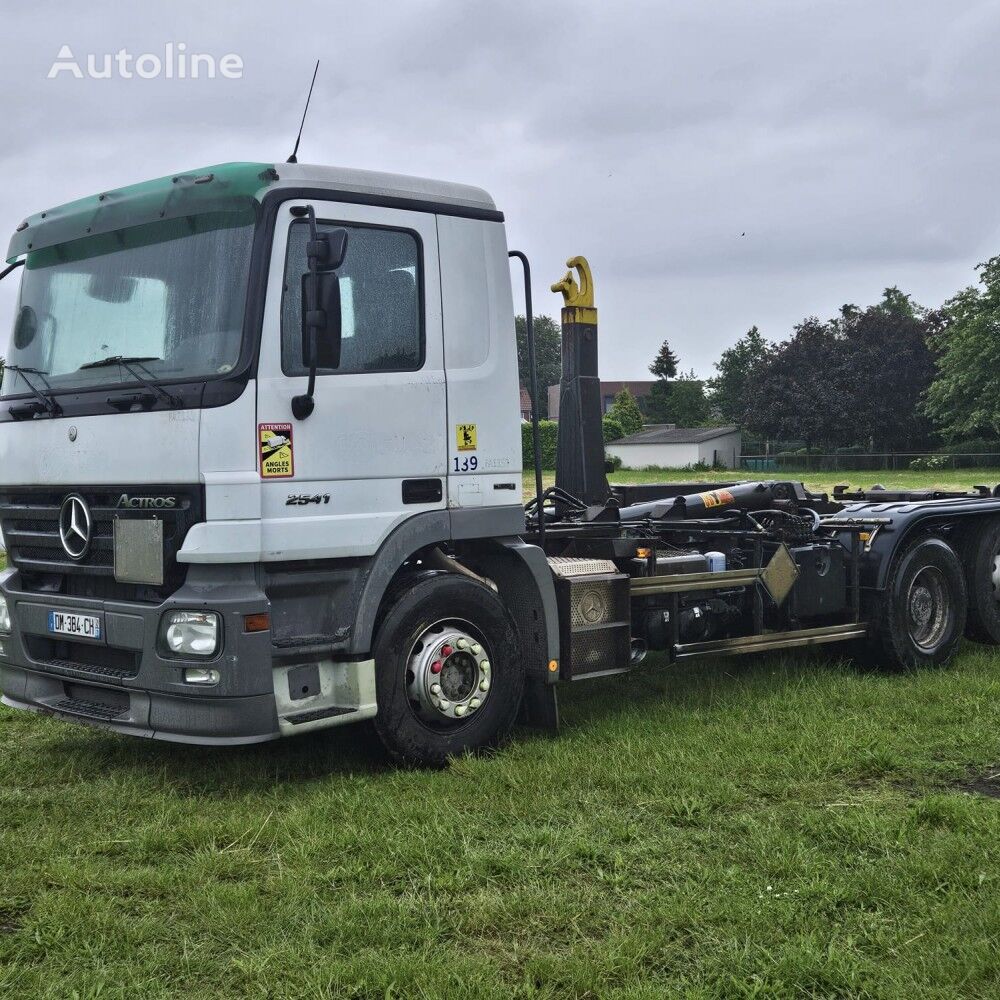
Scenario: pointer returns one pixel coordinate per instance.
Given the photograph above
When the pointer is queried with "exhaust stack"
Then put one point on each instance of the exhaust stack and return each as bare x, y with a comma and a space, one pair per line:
580, 447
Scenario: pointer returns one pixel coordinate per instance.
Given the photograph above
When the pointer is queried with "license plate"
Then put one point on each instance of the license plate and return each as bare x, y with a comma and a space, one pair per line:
84, 626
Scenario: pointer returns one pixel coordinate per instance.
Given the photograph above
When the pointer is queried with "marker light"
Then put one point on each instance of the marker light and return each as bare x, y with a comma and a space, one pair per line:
4, 615
191, 633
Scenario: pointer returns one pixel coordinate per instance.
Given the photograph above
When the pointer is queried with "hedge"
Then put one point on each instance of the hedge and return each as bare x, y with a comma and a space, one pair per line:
548, 434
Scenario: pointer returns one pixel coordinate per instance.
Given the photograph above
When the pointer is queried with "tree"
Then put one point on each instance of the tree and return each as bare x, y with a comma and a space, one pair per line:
625, 411
664, 365
729, 391
964, 398
681, 402
548, 358
890, 368
800, 389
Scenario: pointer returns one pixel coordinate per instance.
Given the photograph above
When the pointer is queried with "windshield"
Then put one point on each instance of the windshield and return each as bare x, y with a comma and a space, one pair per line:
171, 294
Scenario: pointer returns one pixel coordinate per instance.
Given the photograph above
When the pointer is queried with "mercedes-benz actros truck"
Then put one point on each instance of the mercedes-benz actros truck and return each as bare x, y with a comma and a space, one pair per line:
261, 474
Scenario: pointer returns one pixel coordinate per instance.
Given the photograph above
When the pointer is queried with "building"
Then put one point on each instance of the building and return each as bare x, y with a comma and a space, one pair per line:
670, 447
608, 392
525, 404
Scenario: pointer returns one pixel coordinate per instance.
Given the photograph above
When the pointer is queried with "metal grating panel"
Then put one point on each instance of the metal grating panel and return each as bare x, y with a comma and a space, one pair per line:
567, 566
95, 710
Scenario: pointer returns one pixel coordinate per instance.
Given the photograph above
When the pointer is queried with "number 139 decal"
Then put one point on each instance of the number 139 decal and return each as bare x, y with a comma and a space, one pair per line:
469, 464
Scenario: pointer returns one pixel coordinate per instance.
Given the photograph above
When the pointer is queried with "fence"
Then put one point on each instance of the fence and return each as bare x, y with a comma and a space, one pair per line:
889, 461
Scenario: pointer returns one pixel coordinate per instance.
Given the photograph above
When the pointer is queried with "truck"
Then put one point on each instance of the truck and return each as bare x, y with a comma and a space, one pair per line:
261, 475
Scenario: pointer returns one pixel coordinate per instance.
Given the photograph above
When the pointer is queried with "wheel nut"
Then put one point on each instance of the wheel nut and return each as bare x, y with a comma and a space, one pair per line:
484, 684
436, 667
475, 703
461, 643
460, 710
444, 705
476, 648
446, 650
435, 689
485, 666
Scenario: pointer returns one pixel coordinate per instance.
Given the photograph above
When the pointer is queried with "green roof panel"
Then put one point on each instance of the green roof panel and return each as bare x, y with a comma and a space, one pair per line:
228, 187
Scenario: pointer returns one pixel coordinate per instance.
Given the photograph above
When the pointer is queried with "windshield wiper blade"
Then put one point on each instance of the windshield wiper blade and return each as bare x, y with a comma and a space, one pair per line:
116, 359
131, 365
45, 398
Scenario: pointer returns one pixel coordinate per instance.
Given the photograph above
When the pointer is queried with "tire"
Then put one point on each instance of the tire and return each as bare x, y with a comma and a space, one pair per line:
919, 619
980, 553
453, 633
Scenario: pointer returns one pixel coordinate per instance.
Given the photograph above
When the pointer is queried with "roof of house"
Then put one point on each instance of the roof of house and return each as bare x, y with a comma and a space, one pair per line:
671, 434
525, 399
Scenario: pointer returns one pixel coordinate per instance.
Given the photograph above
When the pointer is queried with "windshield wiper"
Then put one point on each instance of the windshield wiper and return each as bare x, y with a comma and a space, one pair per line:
131, 365
48, 403
13, 267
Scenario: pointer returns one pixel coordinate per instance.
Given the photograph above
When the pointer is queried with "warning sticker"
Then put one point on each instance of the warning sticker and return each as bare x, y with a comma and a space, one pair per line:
465, 437
276, 454
716, 498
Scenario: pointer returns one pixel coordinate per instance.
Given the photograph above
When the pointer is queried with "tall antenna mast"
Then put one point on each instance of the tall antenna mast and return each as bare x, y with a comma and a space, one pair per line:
294, 157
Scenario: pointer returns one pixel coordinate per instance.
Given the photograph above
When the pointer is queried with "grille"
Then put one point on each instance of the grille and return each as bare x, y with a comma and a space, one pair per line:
76, 658
29, 519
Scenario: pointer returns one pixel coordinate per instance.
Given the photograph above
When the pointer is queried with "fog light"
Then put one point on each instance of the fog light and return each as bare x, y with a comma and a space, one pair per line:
201, 675
191, 633
4, 615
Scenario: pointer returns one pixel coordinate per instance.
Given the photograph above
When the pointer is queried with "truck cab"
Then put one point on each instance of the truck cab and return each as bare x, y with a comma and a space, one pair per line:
188, 560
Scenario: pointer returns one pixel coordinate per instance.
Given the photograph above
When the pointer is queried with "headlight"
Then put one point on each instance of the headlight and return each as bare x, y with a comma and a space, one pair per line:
4, 615
190, 633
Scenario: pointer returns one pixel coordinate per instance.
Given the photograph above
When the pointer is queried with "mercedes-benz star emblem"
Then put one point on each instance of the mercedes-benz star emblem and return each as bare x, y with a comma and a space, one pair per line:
75, 526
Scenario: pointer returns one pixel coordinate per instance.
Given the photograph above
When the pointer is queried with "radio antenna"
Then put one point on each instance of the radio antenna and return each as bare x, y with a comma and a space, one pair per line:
294, 157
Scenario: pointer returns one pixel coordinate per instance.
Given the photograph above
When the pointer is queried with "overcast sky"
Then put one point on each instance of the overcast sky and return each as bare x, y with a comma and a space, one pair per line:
855, 143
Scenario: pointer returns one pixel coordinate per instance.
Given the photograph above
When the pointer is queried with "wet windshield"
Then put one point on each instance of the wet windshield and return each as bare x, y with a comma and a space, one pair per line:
171, 294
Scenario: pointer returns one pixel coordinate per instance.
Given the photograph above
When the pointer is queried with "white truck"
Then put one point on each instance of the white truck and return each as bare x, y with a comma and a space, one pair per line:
260, 474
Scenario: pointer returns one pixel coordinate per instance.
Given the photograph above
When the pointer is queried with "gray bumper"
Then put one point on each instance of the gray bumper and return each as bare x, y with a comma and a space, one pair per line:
122, 682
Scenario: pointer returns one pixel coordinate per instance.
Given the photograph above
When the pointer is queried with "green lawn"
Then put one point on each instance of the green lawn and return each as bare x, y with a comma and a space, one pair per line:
818, 481
756, 827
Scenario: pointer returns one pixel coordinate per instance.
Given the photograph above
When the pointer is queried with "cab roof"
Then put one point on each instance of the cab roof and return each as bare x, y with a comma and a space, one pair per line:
233, 187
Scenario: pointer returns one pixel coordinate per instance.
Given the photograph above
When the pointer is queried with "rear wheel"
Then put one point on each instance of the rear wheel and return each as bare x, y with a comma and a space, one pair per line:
919, 619
980, 553
449, 676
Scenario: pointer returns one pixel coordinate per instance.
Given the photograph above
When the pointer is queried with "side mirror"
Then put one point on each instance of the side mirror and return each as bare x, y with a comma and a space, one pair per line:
320, 306
324, 320
328, 249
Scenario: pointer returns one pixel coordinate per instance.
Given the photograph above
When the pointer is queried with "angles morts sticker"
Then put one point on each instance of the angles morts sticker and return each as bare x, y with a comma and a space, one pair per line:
277, 459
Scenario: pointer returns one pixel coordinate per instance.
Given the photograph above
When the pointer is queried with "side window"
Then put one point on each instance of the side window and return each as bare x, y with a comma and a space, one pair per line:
380, 298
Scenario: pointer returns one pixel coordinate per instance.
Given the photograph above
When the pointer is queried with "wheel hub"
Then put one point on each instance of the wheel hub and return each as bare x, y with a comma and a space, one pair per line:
928, 608
449, 673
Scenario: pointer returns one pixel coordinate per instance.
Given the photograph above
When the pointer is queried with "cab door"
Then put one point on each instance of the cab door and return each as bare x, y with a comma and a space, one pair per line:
374, 450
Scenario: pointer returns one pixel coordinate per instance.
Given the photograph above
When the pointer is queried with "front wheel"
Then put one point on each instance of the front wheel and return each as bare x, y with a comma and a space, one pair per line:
919, 619
448, 671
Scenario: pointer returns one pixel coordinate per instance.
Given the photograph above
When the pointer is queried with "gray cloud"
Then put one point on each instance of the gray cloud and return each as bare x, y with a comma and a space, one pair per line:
854, 143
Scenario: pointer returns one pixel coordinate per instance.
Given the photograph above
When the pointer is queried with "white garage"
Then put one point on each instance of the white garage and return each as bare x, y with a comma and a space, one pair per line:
667, 446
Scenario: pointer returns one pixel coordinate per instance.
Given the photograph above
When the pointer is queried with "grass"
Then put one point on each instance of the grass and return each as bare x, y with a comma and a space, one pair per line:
817, 481
779, 826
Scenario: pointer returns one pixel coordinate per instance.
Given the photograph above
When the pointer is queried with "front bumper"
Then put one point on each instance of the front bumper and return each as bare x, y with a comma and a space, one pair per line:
122, 682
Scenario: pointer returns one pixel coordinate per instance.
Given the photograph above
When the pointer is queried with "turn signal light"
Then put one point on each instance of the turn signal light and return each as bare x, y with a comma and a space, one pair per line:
259, 622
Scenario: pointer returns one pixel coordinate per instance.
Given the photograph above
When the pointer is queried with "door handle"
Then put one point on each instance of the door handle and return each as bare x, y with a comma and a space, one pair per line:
422, 490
